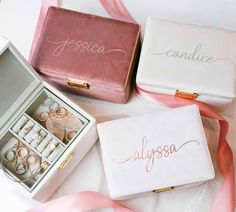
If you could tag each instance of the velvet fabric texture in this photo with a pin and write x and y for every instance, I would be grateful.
(99, 52)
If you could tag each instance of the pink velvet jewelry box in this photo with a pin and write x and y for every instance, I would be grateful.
(87, 55)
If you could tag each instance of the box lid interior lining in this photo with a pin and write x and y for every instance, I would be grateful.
(15, 80)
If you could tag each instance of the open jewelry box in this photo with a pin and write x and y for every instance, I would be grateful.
(43, 134)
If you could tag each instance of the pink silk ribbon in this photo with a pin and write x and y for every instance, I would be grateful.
(225, 198)
(117, 10)
(42, 15)
(80, 201)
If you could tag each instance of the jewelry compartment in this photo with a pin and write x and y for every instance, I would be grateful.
(20, 163)
(56, 117)
(38, 138)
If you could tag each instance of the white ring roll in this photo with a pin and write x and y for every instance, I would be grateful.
(19, 124)
(56, 152)
(50, 147)
(25, 130)
(33, 133)
(47, 102)
(44, 143)
(41, 135)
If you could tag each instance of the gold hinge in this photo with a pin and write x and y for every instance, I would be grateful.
(186, 95)
(163, 189)
(66, 161)
(77, 83)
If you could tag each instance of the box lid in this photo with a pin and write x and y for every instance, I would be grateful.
(191, 58)
(17, 80)
(154, 151)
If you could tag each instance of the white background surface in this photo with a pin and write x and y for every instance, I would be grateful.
(17, 22)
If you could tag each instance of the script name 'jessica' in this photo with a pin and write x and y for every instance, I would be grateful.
(83, 47)
(151, 154)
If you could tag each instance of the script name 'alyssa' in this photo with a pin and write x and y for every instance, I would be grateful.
(82, 46)
(151, 154)
(194, 55)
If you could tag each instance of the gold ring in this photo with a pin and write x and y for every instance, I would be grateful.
(22, 152)
(9, 155)
(20, 169)
(62, 112)
(26, 130)
(70, 135)
(27, 159)
(43, 116)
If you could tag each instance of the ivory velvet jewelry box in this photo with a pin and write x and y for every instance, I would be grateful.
(87, 54)
(155, 152)
(43, 134)
(189, 61)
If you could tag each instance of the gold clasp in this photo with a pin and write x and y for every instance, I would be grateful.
(77, 83)
(66, 161)
(186, 95)
(163, 189)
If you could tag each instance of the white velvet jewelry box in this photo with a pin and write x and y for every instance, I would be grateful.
(155, 152)
(43, 134)
(189, 61)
